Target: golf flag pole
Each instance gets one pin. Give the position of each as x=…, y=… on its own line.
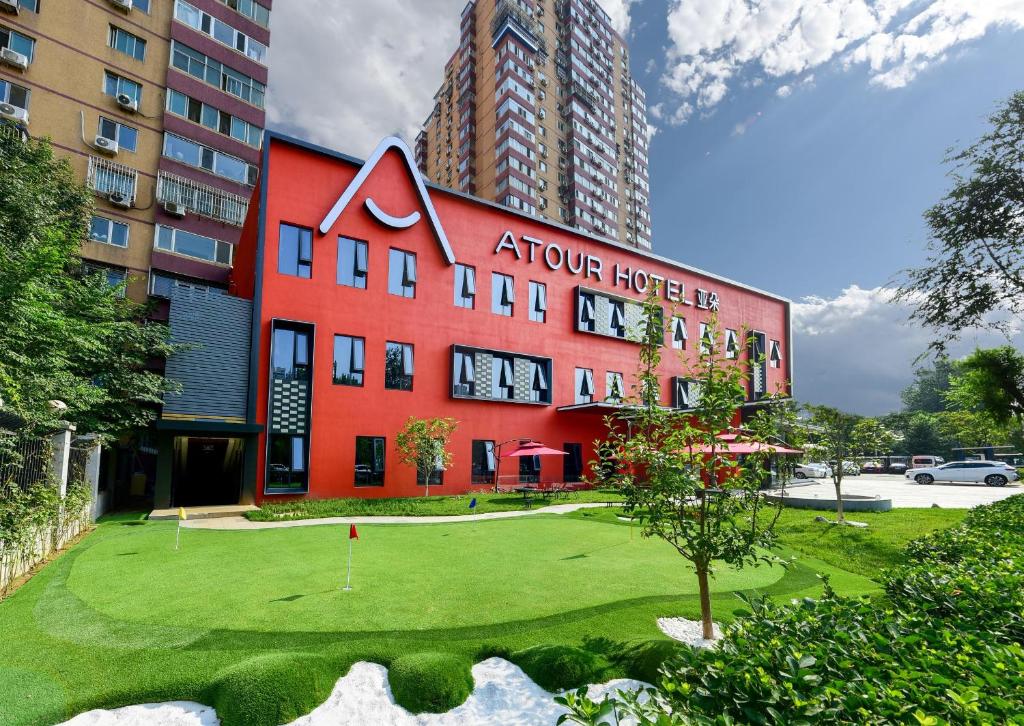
x=352, y=534
x=177, y=535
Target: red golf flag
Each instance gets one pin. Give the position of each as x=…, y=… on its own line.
x=352, y=533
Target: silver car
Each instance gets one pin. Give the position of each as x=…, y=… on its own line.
x=992, y=473
x=812, y=471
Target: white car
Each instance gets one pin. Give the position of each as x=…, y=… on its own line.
x=992, y=473
x=812, y=471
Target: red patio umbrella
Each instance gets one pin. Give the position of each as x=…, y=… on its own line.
x=525, y=448
x=744, y=447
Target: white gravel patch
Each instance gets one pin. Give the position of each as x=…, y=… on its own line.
x=690, y=632
x=503, y=695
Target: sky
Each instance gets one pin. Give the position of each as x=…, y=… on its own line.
x=795, y=143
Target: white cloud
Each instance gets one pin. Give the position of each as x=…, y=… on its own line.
x=619, y=12
x=857, y=350
x=783, y=91
x=714, y=41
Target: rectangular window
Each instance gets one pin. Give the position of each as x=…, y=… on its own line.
x=194, y=245
x=540, y=374
x=538, y=302
x=483, y=461
x=17, y=42
x=464, y=373
x=217, y=74
x=401, y=273
x=587, y=317
x=503, y=382
x=108, y=231
x=707, y=340
x=465, y=286
x=584, y=385
x=115, y=85
x=217, y=162
x=286, y=465
x=369, y=470
x=775, y=355
x=220, y=31
x=398, y=366
x=13, y=94
x=130, y=45
x=529, y=469
x=126, y=136
x=352, y=262
x=613, y=386
x=250, y=9
x=679, y=334
x=295, y=251
x=30, y=5
x=113, y=276
x=349, y=360
x=732, y=344
x=214, y=119
x=141, y=6
x=617, y=318
x=291, y=354
x=572, y=463
x=503, y=294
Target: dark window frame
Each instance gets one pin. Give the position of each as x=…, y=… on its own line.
x=353, y=370
x=406, y=288
x=301, y=264
x=394, y=381
x=374, y=472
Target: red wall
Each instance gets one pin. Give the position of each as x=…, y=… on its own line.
x=303, y=185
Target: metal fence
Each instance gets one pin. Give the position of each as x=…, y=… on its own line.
x=78, y=457
x=24, y=461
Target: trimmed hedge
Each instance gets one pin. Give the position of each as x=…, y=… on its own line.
x=557, y=667
x=944, y=647
x=271, y=689
x=430, y=682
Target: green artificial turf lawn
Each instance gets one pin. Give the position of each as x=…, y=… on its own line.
x=421, y=506
x=122, y=618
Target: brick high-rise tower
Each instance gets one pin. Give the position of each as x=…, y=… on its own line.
x=538, y=111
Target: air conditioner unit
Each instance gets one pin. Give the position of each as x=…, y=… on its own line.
x=175, y=209
x=13, y=113
x=14, y=58
x=105, y=145
x=542, y=113
x=10, y=6
x=126, y=102
x=125, y=5
x=120, y=199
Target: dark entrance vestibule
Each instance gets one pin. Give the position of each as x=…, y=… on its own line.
x=207, y=471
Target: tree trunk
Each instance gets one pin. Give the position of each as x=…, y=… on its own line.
x=705, y=603
x=839, y=501
x=426, y=483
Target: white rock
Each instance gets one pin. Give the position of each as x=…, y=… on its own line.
x=172, y=713
x=690, y=632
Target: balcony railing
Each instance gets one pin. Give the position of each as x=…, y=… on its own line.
x=204, y=200
x=108, y=178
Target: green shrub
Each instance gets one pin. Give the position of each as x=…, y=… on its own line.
x=643, y=659
x=271, y=689
x=430, y=682
x=558, y=667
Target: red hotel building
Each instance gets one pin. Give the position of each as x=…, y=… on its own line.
x=373, y=297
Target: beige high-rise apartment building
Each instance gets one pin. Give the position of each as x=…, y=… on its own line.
x=538, y=111
x=159, y=105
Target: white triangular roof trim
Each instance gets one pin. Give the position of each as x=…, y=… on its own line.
x=391, y=142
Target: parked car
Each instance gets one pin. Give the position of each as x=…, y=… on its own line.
x=897, y=468
x=872, y=467
x=992, y=473
x=923, y=461
x=850, y=468
x=813, y=470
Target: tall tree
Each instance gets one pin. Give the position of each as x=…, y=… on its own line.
x=872, y=438
x=676, y=471
x=991, y=380
x=64, y=332
x=835, y=441
x=928, y=391
x=423, y=443
x=975, y=268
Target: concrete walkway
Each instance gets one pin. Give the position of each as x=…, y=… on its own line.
x=243, y=523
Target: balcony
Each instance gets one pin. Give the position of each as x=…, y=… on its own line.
x=113, y=180
x=206, y=201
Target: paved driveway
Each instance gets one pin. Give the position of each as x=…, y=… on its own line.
x=907, y=493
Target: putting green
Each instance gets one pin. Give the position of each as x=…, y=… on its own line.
x=415, y=577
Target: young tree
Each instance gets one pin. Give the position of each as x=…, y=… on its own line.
x=976, y=262
x=423, y=444
x=675, y=470
x=836, y=442
x=65, y=333
x=872, y=438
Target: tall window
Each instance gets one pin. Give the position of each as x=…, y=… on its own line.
x=707, y=340
x=291, y=354
x=295, y=251
x=349, y=360
x=587, y=316
x=538, y=302
x=503, y=382
x=732, y=344
x=465, y=286
x=584, y=385
x=679, y=335
x=130, y=45
x=126, y=136
x=398, y=366
x=775, y=354
x=529, y=469
x=369, y=470
x=617, y=318
x=352, y=262
x=464, y=373
x=572, y=463
x=540, y=390
x=614, y=388
x=286, y=470
x=401, y=273
x=503, y=294
x=108, y=231
x=483, y=461
x=115, y=85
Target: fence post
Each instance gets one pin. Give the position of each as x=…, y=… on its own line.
x=92, y=473
x=61, y=456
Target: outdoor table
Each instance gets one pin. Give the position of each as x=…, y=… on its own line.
x=526, y=492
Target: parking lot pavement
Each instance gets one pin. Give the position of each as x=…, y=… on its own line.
x=907, y=493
